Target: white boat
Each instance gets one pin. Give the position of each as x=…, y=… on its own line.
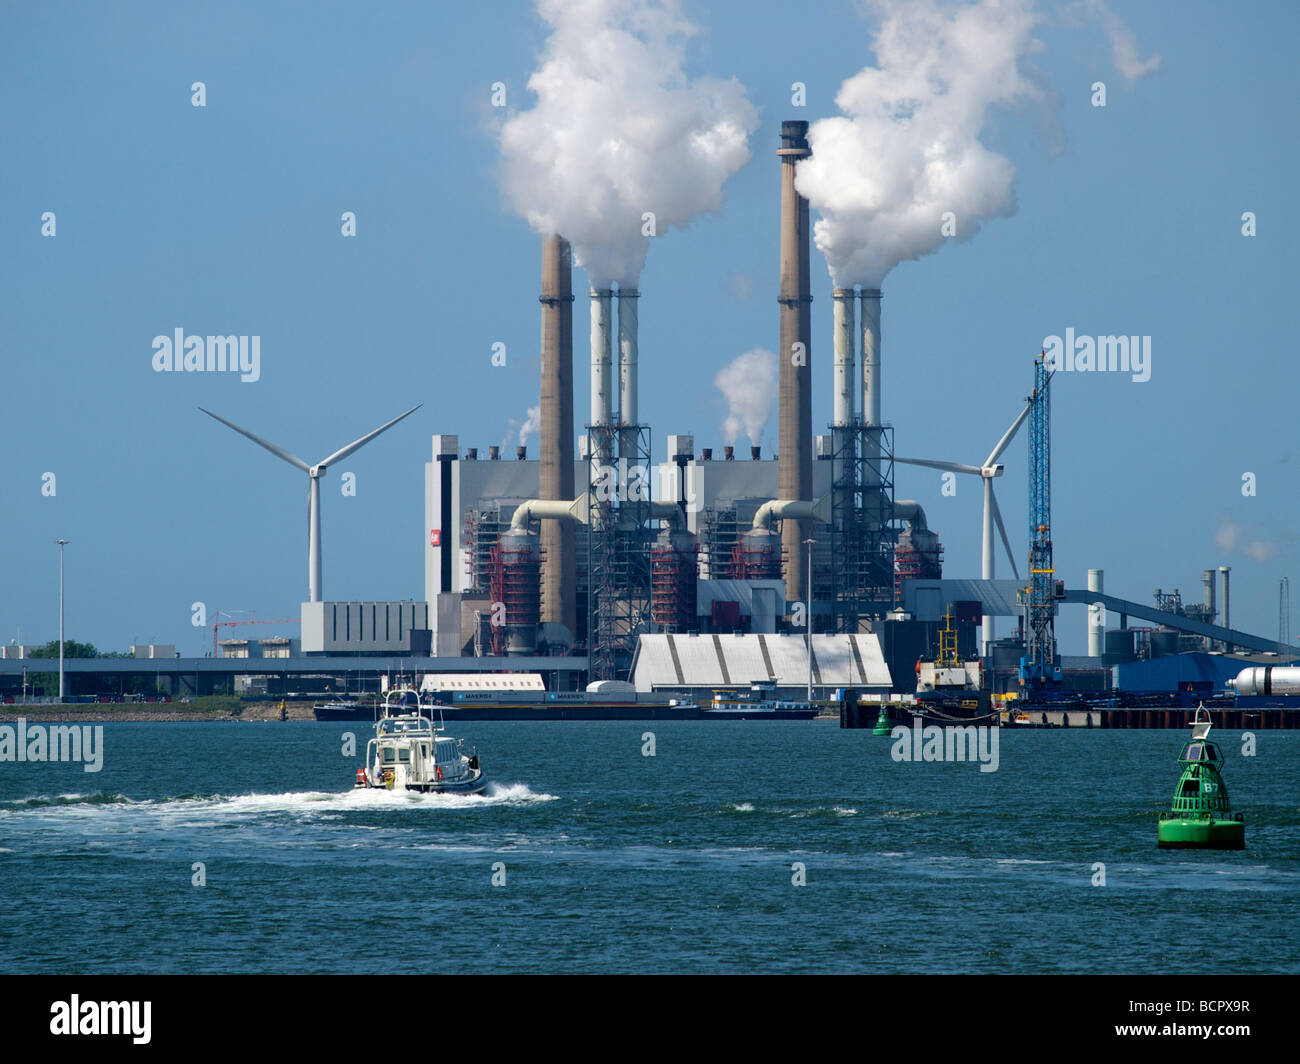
x=410, y=752
x=760, y=702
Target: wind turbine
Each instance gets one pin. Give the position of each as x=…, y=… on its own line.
x=314, y=472
x=987, y=471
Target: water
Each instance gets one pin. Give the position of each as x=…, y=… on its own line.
x=616, y=862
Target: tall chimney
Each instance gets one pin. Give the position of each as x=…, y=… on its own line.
x=845, y=361
x=627, y=355
x=602, y=394
x=795, y=442
x=870, y=300
x=1207, y=584
x=555, y=468
x=1224, y=570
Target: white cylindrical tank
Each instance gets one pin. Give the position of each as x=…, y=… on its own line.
x=1268, y=680
x=1096, y=617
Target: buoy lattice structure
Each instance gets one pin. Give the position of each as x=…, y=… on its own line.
x=1200, y=815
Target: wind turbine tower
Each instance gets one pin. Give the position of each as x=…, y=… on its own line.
x=314, y=473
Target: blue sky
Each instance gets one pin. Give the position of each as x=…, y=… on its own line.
x=225, y=219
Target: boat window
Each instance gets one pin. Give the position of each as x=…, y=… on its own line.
x=404, y=754
x=388, y=753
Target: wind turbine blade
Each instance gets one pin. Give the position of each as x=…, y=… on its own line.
x=1002, y=530
x=279, y=452
x=1010, y=435
x=338, y=456
x=950, y=467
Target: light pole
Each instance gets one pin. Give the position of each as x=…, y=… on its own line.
x=62, y=544
x=808, y=617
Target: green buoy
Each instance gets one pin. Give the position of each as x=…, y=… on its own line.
x=882, y=723
x=1200, y=817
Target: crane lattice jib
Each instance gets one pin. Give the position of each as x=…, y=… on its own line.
x=1042, y=606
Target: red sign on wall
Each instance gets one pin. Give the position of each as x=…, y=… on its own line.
x=435, y=537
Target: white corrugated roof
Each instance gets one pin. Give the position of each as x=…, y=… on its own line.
x=710, y=661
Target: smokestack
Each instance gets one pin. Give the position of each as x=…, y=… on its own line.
x=521, y=453
x=870, y=299
x=1207, y=583
x=627, y=355
x=1224, y=570
x=471, y=454
x=755, y=454
x=555, y=468
x=729, y=453
x=494, y=452
x=1096, y=617
x=845, y=315
x=706, y=454
x=794, y=467
x=602, y=395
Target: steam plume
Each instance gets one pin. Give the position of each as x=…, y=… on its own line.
x=619, y=130
x=749, y=385
x=907, y=148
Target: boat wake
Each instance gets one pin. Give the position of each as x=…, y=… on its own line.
x=302, y=802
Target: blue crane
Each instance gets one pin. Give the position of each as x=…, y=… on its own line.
x=1040, y=668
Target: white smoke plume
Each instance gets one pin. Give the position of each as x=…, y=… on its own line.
x=619, y=130
x=906, y=150
x=532, y=423
x=749, y=385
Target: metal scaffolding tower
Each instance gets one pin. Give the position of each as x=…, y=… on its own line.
x=618, y=548
x=861, y=531
x=1040, y=666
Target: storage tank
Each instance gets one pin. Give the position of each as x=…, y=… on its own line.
x=515, y=587
x=1119, y=646
x=1268, y=680
x=674, y=576
x=759, y=555
x=1164, y=642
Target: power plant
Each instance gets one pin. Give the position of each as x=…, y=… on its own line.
x=596, y=562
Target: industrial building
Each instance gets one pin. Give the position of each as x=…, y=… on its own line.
x=609, y=555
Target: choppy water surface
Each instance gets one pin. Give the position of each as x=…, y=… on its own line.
x=616, y=862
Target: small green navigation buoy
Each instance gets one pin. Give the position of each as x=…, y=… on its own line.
x=882, y=723
x=1200, y=817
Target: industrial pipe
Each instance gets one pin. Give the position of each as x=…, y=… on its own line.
x=797, y=509
x=549, y=509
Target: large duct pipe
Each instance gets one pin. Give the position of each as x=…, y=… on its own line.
x=566, y=511
x=627, y=355
x=910, y=510
x=1096, y=616
x=845, y=360
x=788, y=509
x=795, y=442
x=555, y=467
